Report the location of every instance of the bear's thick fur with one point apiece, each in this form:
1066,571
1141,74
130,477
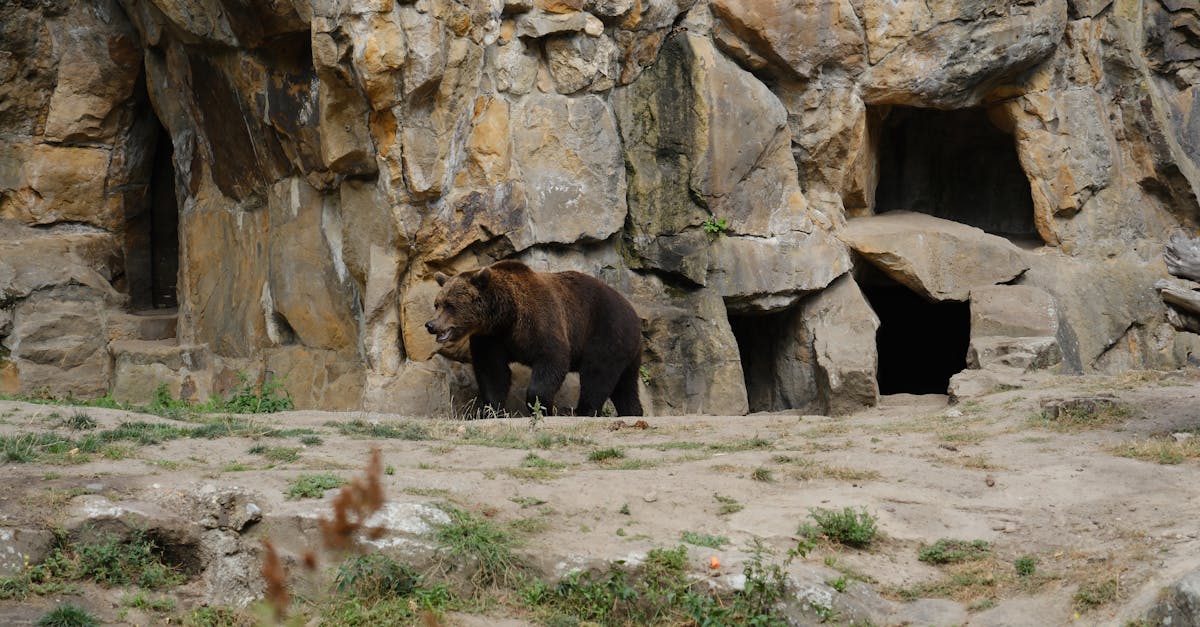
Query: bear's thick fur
554,323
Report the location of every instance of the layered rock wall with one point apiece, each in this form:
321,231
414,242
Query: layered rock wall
717,161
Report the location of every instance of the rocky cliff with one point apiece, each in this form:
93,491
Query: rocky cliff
807,201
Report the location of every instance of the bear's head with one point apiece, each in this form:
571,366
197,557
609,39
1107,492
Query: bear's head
460,307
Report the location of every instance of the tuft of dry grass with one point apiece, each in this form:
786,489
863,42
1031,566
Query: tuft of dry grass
1159,450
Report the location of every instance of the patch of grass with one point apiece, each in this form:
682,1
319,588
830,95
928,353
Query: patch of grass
68,615
605,454
848,527
218,617
533,460
312,486
236,467
78,421
406,430
636,464
119,561
1160,450
706,540
491,437
762,474
375,576
546,440
279,454
1094,594
729,505
143,601
1075,419
749,444
30,447
311,440
469,537
390,470
950,551
1025,566
838,583
658,591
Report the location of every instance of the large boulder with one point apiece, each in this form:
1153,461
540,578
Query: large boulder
939,259
1015,326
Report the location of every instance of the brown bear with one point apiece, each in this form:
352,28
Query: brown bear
553,322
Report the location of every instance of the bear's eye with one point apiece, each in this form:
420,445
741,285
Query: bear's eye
448,308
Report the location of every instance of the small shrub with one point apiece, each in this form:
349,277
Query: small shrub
1025,565
68,615
949,551
715,226
115,561
848,527
390,470
605,454
840,583
311,440
762,474
312,486
248,398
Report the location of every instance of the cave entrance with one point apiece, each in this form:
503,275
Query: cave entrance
773,361
152,245
921,343
956,165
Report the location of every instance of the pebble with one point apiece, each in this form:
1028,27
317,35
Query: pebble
954,413
650,497
990,481
94,487
1182,437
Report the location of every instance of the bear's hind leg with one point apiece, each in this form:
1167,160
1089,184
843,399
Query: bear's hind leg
545,379
625,395
596,383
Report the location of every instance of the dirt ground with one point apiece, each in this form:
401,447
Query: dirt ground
985,469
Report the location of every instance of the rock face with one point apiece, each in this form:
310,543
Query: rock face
282,180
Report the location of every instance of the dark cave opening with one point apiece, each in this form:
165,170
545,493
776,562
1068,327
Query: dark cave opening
921,343
152,237
957,165
764,341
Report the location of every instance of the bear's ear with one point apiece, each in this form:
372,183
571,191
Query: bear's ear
481,278
441,279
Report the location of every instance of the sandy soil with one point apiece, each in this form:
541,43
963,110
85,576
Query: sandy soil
979,470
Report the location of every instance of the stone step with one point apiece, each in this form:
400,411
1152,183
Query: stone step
153,324
141,366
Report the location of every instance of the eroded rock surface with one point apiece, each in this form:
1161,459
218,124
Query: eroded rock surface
290,175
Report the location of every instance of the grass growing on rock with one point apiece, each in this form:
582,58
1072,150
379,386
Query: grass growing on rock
468,536
108,560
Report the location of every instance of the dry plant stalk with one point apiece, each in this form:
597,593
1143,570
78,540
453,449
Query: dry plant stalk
352,506
275,576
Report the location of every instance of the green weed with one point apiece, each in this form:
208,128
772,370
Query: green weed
848,527
1092,595
1025,565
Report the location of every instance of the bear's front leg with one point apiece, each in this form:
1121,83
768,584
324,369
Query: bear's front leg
492,373
545,379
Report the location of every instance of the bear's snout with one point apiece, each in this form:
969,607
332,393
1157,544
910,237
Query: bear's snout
429,327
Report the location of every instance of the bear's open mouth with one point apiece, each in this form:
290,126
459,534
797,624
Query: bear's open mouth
446,336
